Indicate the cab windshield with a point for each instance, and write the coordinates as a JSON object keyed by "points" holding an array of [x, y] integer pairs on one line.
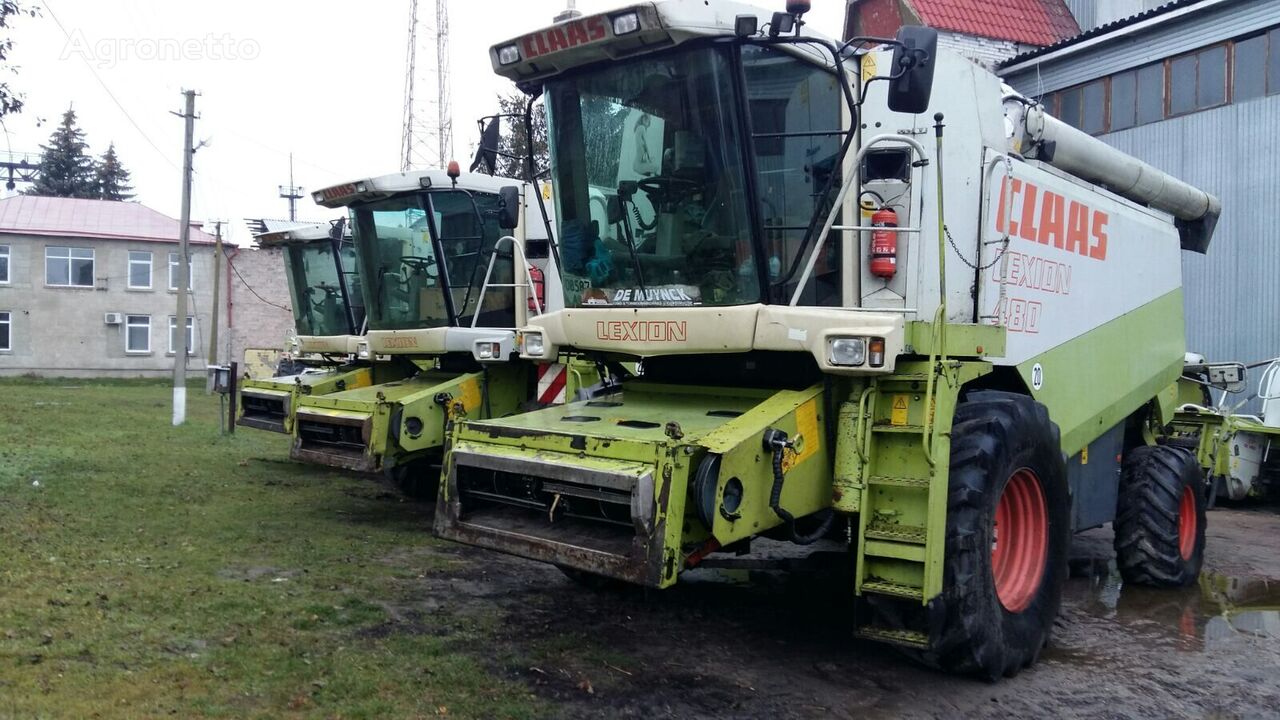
{"points": [[423, 257], [647, 160], [650, 163], [320, 305]]}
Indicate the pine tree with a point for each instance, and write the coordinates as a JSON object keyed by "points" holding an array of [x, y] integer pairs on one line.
{"points": [[111, 178], [65, 170]]}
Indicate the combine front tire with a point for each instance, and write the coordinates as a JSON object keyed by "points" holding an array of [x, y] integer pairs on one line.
{"points": [[1008, 532], [1160, 517]]}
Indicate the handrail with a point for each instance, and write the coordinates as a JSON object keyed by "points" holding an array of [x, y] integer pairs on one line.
{"points": [[517, 254], [839, 203]]}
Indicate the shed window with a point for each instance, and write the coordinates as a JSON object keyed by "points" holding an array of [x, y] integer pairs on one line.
{"points": [[1069, 106], [1273, 62], [4, 264], [1150, 93], [1249, 74], [1094, 111], [1182, 85], [1211, 83], [1124, 97], [6, 331]]}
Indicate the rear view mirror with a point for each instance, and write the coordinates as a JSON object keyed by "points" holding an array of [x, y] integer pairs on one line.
{"points": [[613, 210], [337, 229], [911, 81], [486, 159], [1228, 376], [509, 210]]}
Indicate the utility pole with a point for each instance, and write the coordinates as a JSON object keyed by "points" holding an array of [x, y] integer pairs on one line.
{"points": [[184, 232], [217, 286], [291, 192]]}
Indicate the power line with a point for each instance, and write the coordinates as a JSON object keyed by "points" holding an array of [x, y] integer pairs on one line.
{"points": [[249, 287], [110, 94]]}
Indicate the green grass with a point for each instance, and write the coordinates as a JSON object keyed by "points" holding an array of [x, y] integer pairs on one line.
{"points": [[148, 571]]}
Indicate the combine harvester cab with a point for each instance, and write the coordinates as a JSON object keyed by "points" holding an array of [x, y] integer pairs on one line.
{"points": [[914, 319], [448, 265], [328, 313]]}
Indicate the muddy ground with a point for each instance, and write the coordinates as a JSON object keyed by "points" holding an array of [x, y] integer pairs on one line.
{"points": [[725, 644]]}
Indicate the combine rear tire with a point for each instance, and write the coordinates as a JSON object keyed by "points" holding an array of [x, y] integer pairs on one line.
{"points": [[1008, 532], [416, 480], [1160, 517]]}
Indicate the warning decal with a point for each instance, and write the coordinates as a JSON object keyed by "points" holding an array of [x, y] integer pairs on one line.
{"points": [[899, 414]]}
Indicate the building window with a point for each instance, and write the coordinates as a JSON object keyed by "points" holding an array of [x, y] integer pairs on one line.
{"points": [[1124, 98], [4, 264], [6, 332], [173, 271], [1233, 71], [191, 335], [68, 267], [1150, 93], [1273, 62], [137, 333], [139, 270], [1249, 69]]}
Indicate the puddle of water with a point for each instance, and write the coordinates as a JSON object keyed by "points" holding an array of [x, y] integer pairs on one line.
{"points": [[1213, 613]]}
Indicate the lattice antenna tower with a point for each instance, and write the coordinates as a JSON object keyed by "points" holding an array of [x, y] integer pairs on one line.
{"points": [[426, 139]]}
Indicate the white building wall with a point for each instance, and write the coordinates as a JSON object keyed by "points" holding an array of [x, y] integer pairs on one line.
{"points": [[60, 331], [987, 52]]}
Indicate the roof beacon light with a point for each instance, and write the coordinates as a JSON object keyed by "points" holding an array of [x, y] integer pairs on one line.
{"points": [[454, 171], [798, 7], [625, 23], [508, 54]]}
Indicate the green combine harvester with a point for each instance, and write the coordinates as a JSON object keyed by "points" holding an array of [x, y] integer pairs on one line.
{"points": [[328, 313], [876, 296], [450, 266]]}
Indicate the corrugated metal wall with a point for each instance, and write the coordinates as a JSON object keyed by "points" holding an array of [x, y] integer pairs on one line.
{"points": [[1233, 292], [1189, 32]]}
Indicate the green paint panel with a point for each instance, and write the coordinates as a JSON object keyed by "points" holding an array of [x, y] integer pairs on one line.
{"points": [[1098, 379]]}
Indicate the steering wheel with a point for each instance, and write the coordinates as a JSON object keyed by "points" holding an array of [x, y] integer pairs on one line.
{"points": [[421, 265], [667, 189]]}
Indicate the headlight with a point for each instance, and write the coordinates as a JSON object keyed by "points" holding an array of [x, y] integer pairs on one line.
{"points": [[362, 350], [508, 54], [486, 350], [361, 187], [846, 351], [318, 197], [295, 347], [533, 344], [625, 23]]}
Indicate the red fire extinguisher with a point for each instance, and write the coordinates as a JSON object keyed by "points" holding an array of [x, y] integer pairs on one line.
{"points": [[538, 298], [884, 243]]}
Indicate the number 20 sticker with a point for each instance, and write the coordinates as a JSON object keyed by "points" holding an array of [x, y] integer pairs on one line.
{"points": [[1037, 376]]}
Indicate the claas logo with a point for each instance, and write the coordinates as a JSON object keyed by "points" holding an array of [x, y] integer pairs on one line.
{"points": [[1045, 217], [563, 37]]}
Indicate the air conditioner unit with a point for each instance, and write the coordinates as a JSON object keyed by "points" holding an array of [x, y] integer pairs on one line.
{"points": [[113, 318]]}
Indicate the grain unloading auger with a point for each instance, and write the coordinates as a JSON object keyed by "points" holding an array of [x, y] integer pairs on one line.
{"points": [[829, 346]]}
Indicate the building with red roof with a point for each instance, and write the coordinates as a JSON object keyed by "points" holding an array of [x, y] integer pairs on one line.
{"points": [[88, 287], [986, 31]]}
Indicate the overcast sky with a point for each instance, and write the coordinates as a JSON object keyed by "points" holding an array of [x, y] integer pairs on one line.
{"points": [[323, 79]]}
